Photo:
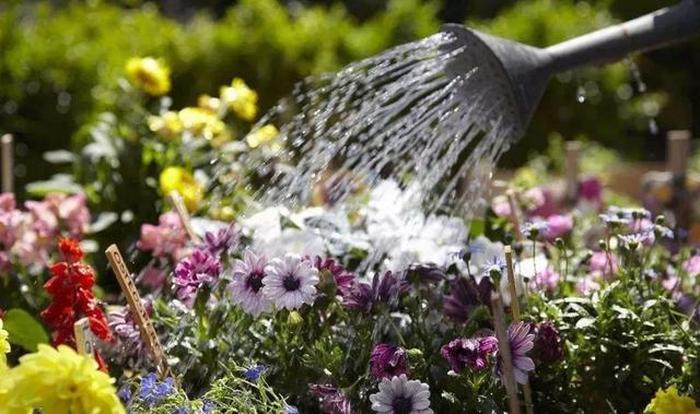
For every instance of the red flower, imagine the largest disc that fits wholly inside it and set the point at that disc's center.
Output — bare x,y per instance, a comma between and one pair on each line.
70,288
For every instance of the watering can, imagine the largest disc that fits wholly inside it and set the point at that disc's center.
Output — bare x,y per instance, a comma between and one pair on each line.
518,74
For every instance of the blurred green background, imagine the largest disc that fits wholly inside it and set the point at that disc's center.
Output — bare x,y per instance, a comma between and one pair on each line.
60,61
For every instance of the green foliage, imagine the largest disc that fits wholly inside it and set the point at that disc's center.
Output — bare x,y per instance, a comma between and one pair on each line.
24,330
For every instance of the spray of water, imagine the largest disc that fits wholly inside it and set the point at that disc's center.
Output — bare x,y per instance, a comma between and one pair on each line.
407,114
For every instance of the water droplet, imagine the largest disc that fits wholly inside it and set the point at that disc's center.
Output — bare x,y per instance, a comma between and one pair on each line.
581,94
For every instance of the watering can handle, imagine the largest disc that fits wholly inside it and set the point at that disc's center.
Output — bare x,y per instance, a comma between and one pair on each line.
644,33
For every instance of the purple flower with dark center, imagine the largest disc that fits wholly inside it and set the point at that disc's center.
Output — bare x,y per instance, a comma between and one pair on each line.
521,342
548,347
496,264
533,229
253,373
425,273
200,269
634,240
399,395
290,282
332,399
387,361
246,286
461,353
342,278
221,241
465,296
385,288
153,391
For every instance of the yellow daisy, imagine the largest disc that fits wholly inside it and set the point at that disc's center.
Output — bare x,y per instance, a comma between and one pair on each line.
4,348
264,136
180,180
669,402
167,125
149,74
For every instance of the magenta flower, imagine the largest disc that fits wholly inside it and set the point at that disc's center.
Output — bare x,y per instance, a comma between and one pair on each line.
165,239
547,279
221,241
384,289
332,399
590,189
473,353
7,202
548,347
152,277
343,279
558,225
200,269
465,296
387,361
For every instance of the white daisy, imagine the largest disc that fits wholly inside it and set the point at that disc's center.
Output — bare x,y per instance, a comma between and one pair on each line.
401,396
246,286
290,282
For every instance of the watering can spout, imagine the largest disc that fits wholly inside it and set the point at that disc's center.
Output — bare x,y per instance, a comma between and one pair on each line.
526,70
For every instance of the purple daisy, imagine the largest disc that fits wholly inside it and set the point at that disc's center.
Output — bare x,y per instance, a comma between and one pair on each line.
342,278
465,296
385,288
387,361
221,241
290,282
461,353
247,283
521,342
399,395
200,269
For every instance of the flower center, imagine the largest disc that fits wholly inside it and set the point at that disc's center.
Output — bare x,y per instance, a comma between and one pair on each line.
402,405
254,281
291,282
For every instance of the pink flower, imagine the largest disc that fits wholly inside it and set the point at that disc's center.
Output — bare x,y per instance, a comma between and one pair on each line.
558,225
692,266
547,279
72,211
45,222
501,207
167,238
539,202
587,285
152,277
590,189
603,262
7,202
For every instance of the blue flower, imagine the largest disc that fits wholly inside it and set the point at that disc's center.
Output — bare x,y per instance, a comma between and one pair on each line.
208,406
153,391
124,394
532,229
181,410
290,409
253,373
495,264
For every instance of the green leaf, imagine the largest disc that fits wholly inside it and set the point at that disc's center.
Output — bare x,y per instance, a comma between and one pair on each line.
584,323
666,347
24,330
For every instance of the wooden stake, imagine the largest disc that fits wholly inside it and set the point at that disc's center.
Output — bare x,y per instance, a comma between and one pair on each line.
83,337
148,333
181,210
512,202
678,151
7,163
507,375
515,311
571,169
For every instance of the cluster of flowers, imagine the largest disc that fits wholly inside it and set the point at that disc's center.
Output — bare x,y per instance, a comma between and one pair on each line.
27,237
70,288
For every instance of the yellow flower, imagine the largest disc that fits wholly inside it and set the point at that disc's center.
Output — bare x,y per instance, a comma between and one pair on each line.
263,136
4,348
209,103
669,402
58,381
167,125
180,180
148,74
241,99
202,122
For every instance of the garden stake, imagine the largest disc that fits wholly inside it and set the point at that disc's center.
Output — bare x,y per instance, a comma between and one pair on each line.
504,351
83,337
515,310
181,210
678,149
133,298
572,156
514,214
7,163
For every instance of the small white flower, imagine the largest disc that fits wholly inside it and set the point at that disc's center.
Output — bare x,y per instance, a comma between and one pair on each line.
401,396
290,282
246,286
